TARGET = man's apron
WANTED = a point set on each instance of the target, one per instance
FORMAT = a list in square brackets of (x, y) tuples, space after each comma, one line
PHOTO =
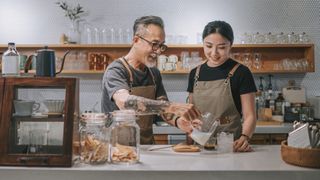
[(145, 122), (216, 97)]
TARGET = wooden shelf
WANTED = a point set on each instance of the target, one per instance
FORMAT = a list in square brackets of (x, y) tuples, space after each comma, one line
[(101, 72), (93, 46), (271, 53)]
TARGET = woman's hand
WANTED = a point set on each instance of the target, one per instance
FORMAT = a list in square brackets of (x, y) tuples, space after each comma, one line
[(242, 145)]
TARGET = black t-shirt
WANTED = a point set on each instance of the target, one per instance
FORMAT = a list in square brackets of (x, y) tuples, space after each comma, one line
[(242, 81)]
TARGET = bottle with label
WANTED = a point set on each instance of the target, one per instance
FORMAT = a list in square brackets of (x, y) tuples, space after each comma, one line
[(11, 61), (279, 104)]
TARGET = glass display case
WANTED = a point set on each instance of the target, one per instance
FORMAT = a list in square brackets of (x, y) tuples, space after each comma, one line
[(37, 118)]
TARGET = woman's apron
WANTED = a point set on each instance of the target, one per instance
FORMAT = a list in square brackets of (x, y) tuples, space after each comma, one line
[(145, 122), (216, 97)]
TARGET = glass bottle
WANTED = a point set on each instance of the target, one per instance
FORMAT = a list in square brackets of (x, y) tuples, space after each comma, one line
[(278, 104), (261, 85), (11, 61), (269, 95), (94, 138), (260, 103), (124, 138)]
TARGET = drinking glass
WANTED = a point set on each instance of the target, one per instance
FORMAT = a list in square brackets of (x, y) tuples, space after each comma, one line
[(257, 64), (112, 36), (97, 36), (38, 140), (104, 34), (128, 36), (305, 64), (258, 38), (199, 38), (225, 142), (246, 38), (88, 36), (292, 38), (236, 56), (247, 60), (120, 36), (281, 38)]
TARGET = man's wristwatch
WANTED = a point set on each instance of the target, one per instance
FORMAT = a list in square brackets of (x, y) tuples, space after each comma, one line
[(175, 118)]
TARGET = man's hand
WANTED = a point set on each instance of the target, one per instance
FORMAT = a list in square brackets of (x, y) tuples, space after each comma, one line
[(187, 111), (186, 125)]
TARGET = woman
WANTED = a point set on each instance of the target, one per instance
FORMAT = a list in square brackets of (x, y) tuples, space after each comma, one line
[(224, 87)]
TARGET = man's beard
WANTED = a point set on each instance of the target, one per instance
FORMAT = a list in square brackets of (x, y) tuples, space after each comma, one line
[(151, 61)]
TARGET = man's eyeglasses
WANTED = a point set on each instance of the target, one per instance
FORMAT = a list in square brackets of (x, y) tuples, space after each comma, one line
[(155, 46)]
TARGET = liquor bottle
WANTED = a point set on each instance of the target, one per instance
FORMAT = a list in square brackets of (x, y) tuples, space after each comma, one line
[(269, 96), (11, 61), (261, 85), (279, 103)]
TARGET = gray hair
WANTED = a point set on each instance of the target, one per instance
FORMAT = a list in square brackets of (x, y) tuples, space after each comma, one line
[(142, 23)]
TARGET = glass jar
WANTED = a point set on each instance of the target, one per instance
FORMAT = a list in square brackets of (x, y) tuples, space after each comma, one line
[(124, 138), (94, 138)]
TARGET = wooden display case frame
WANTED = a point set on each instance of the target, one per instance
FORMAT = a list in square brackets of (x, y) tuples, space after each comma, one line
[(7, 95)]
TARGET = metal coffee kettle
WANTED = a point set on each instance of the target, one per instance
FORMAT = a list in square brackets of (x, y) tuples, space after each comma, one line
[(45, 62)]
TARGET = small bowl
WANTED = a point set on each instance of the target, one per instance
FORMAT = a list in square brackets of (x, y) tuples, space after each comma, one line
[(300, 156), (54, 105)]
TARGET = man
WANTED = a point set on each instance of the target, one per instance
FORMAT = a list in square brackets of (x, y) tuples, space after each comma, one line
[(133, 82)]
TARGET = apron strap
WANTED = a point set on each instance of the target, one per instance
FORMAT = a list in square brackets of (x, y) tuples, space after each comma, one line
[(230, 74), (126, 65), (196, 76), (153, 79)]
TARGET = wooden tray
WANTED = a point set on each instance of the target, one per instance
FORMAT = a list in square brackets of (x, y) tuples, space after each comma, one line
[(300, 156)]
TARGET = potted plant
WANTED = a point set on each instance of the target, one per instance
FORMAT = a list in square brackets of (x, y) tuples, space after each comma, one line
[(74, 14)]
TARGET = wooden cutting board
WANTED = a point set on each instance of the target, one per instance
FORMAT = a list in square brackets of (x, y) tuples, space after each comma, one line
[(182, 147), (268, 122)]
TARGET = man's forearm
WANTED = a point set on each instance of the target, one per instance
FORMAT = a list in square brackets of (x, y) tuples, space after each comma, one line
[(146, 106)]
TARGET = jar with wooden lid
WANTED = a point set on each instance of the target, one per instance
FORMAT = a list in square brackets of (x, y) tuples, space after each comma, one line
[(124, 138), (94, 138)]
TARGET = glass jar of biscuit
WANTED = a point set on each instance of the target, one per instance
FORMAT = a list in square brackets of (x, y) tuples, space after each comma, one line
[(93, 138), (124, 138)]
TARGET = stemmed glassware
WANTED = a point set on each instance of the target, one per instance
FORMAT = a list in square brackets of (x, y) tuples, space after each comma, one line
[(247, 60), (257, 63)]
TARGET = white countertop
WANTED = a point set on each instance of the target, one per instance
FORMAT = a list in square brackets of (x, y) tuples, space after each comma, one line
[(267, 129), (264, 163)]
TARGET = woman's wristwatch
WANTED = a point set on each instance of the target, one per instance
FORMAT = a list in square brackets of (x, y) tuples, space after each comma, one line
[(246, 136)]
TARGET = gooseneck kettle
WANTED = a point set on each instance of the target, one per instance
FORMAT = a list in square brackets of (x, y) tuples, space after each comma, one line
[(45, 62)]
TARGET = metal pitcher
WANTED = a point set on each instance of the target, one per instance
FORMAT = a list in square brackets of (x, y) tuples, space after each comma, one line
[(45, 62)]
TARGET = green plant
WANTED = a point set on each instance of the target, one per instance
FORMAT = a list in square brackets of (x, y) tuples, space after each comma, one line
[(73, 13)]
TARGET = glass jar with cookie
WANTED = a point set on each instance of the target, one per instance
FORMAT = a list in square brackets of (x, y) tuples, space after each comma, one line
[(93, 138), (124, 138)]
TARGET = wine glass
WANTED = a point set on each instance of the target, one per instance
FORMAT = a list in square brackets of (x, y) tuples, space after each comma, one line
[(247, 60), (257, 64)]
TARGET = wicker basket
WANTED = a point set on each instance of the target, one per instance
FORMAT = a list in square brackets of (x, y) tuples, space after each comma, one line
[(300, 156)]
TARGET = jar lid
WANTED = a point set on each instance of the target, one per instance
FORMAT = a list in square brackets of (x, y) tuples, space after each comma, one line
[(124, 115), (94, 117)]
